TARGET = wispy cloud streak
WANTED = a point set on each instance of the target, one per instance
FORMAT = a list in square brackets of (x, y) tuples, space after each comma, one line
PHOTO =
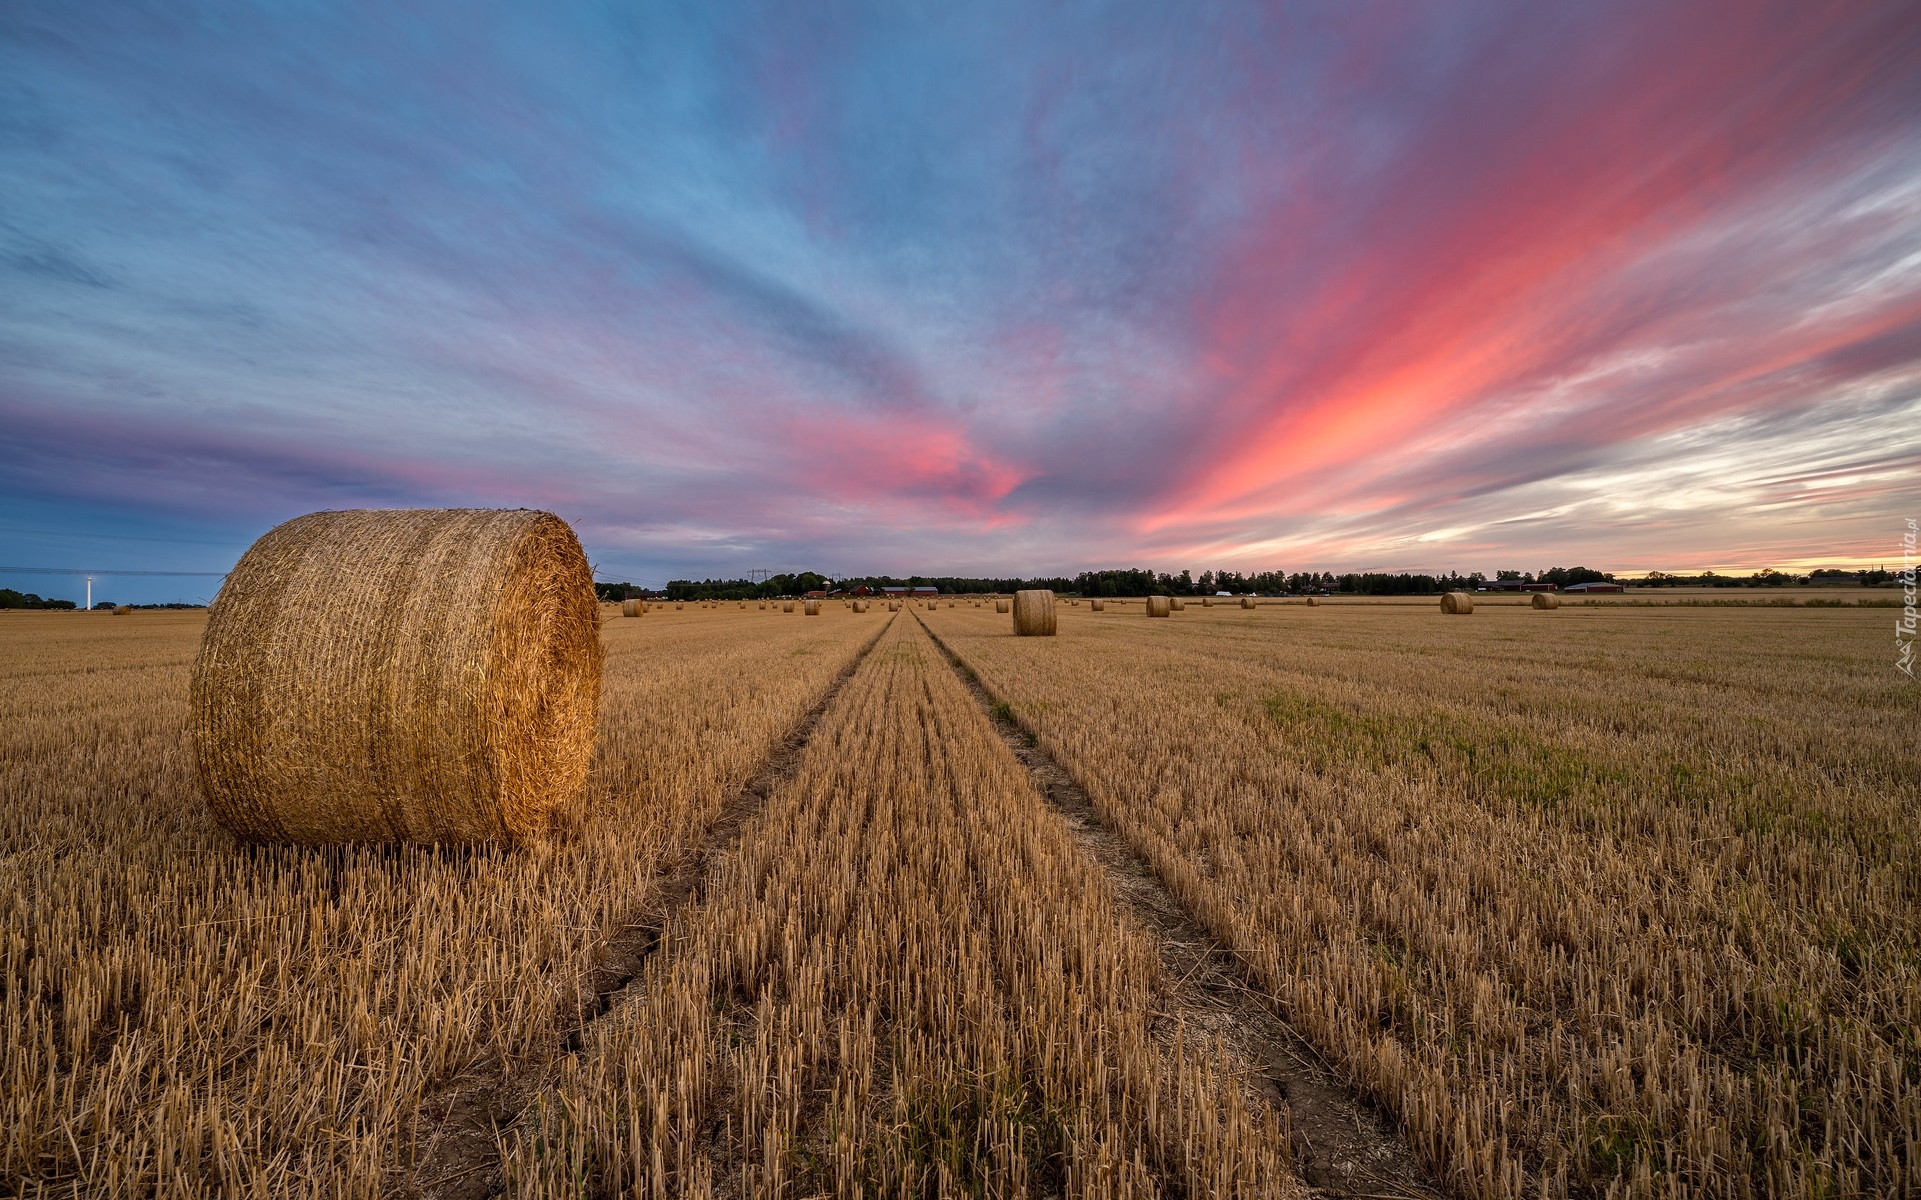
[(1011, 288)]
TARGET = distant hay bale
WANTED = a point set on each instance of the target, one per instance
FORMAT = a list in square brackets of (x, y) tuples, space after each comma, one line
[(1159, 606), (1034, 613), (1177, 604), (860, 606), (123, 610), (419, 675), (931, 606), (679, 604), (787, 606), (1003, 606), (1457, 603), (810, 608), (1545, 600), (1247, 602), (1097, 605), (1207, 602), (893, 606), (1312, 601), (632, 608)]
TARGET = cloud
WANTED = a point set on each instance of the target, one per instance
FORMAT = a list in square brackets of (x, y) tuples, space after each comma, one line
[(1010, 289)]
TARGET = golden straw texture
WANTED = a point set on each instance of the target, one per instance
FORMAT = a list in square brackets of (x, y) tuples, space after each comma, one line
[(1247, 602), (1159, 606), (1544, 600), (1034, 613), (1003, 606), (632, 608), (425, 675), (1457, 603), (811, 607), (1097, 605)]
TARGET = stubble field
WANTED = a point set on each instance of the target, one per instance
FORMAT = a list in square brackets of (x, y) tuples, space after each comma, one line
[(1597, 900)]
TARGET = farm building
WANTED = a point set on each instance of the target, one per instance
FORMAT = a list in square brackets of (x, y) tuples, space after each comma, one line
[(1590, 588)]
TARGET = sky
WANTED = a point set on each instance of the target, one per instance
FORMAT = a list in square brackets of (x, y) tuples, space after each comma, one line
[(1008, 289)]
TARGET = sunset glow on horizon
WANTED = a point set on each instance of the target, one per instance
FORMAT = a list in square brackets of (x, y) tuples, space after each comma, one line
[(994, 289)]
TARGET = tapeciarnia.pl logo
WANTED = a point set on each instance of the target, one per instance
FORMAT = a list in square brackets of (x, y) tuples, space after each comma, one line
[(1904, 625)]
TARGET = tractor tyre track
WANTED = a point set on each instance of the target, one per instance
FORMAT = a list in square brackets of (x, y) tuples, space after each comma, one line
[(460, 1158), (1342, 1144)]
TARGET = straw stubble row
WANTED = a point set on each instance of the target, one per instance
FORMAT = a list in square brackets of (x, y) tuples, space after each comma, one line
[(908, 981), (1627, 908), (185, 1018)]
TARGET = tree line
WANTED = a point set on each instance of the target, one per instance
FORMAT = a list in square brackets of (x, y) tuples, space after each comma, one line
[(1142, 582)]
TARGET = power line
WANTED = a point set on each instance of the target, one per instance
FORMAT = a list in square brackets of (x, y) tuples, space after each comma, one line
[(86, 571)]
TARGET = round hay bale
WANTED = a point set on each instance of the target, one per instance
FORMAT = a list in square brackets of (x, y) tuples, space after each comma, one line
[(932, 605), (860, 606), (1159, 606), (126, 610), (632, 608), (1177, 604), (1207, 602), (1545, 600), (1247, 602), (679, 604), (763, 606), (787, 606), (1313, 601), (1034, 613), (1097, 605), (810, 608), (1457, 603), (1003, 606), (419, 675)]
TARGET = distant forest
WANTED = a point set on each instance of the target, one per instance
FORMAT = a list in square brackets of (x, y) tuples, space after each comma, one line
[(1142, 582)]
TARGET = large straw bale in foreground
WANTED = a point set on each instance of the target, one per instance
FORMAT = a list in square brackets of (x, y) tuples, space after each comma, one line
[(1456, 603), (425, 675), (1034, 613), (1159, 606), (1545, 600)]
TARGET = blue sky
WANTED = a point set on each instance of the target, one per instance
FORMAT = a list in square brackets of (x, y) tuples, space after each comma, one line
[(999, 288)]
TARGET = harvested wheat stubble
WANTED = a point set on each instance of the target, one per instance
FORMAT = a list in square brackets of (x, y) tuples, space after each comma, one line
[(1003, 606), (632, 608), (1159, 606), (1247, 602), (426, 675), (1457, 603), (1034, 613), (1544, 600)]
